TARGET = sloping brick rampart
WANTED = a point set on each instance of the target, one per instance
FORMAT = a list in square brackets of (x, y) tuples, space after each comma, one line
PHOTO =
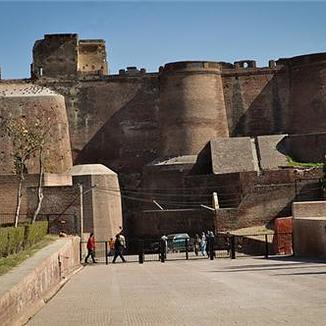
[(25, 290)]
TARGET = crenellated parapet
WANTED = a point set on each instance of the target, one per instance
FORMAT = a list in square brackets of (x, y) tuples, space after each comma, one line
[(180, 107)]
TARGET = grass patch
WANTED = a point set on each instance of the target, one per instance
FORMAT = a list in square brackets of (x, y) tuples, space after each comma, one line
[(293, 163), (9, 262)]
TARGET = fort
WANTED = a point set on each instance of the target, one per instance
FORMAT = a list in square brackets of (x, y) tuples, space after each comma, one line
[(194, 134)]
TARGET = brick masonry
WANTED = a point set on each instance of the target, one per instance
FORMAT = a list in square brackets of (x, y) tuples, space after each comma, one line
[(25, 289), (156, 223)]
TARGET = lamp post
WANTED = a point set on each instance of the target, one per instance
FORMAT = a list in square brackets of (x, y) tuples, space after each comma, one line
[(81, 203), (81, 212)]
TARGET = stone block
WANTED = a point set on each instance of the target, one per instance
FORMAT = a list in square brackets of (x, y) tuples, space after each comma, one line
[(231, 155), (272, 150)]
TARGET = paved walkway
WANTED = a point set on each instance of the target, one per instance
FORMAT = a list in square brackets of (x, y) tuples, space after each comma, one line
[(245, 291)]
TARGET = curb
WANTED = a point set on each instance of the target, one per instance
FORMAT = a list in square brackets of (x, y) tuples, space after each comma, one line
[(48, 296)]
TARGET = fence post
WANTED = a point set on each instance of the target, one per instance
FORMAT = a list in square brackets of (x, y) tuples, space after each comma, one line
[(80, 251), (211, 248), (187, 249), (106, 253), (233, 247), (48, 220), (266, 246), (141, 251), (162, 250)]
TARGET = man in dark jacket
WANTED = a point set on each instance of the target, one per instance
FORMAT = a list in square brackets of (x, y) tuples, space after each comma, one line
[(119, 245)]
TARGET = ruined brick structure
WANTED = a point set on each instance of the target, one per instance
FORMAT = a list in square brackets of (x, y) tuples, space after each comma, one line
[(191, 120), (65, 56)]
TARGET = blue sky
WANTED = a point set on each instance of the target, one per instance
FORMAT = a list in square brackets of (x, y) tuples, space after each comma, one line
[(149, 34)]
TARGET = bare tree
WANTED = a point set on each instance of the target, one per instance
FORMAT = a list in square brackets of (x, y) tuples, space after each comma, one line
[(40, 195), (28, 139)]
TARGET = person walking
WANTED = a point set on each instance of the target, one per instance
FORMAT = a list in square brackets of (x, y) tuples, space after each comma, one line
[(227, 243), (210, 244), (111, 247), (122, 240), (90, 248), (197, 244), (203, 244), (119, 245), (164, 243), (208, 239)]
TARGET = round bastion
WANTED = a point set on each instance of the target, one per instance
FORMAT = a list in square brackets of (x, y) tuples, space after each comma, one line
[(192, 107), (35, 104), (307, 93)]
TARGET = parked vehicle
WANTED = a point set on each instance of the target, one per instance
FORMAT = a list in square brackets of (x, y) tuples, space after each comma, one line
[(178, 242)]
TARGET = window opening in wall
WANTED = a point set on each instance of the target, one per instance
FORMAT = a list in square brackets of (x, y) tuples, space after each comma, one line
[(40, 71), (245, 65)]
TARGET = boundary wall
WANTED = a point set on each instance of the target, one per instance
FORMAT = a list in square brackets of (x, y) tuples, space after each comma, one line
[(25, 289)]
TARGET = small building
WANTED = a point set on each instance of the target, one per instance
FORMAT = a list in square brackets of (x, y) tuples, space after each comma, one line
[(309, 228), (102, 212)]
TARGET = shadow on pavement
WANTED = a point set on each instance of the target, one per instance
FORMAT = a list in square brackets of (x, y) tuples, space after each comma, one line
[(302, 273)]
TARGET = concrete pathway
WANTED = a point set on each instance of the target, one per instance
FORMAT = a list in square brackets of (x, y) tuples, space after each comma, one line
[(245, 291)]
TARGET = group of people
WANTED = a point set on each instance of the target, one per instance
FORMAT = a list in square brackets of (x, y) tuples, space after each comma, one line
[(202, 243), (117, 247)]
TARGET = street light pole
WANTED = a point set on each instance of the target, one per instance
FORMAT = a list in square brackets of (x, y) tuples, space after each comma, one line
[(81, 211)]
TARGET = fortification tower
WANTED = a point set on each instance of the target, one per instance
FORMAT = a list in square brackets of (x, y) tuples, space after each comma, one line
[(307, 104), (92, 57), (55, 56), (192, 108), (65, 56)]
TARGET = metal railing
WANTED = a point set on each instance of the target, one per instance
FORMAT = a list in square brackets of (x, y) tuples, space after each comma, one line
[(7, 219), (104, 254), (222, 245), (260, 245), (67, 223)]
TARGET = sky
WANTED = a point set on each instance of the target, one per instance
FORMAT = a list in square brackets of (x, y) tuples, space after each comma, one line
[(150, 34)]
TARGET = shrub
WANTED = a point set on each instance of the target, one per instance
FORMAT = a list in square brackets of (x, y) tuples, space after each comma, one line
[(3, 241), (12, 239), (35, 232), (15, 239)]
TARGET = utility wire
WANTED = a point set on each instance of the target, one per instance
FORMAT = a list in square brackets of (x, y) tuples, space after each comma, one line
[(162, 197), (181, 203), (166, 194), (302, 182)]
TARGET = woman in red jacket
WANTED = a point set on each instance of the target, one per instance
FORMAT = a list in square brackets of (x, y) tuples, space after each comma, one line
[(91, 248)]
